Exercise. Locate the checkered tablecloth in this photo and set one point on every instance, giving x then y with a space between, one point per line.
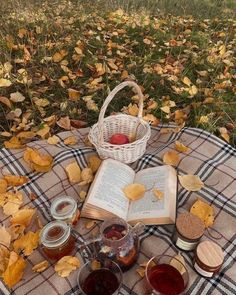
210 158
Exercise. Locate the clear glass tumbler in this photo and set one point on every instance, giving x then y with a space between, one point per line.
166 275
100 277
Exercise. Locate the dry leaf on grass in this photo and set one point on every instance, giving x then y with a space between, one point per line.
14 180
66 265
71 140
27 243
152 120
73 172
41 266
5 82
13 143
17 97
204 211
181 147
171 158
43 132
191 182
94 163
64 123
74 95
14 272
3 186
86 176
134 191
179 264
5 237
23 216
158 194
53 140
6 101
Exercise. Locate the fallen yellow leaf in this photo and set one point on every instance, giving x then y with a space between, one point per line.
12 202
6 101
158 194
191 182
66 265
3 186
94 163
27 243
13 143
171 158
53 140
5 82
73 172
86 176
23 216
204 211
74 95
44 131
181 147
154 121
41 266
186 81
5 237
82 195
71 140
17 97
14 180
134 191
16 231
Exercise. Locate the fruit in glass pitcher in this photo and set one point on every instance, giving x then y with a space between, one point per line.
119 138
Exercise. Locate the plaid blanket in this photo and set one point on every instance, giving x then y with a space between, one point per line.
210 158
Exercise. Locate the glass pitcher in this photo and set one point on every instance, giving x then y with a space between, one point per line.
118 241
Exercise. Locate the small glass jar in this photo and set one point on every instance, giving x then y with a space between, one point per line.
56 239
65 208
208 258
188 231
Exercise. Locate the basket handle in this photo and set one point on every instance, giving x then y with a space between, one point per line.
111 96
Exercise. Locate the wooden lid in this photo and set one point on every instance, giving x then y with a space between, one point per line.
190 226
210 254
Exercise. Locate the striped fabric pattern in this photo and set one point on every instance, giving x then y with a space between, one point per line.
209 157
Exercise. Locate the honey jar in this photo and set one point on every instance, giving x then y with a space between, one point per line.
208 258
56 239
65 208
188 231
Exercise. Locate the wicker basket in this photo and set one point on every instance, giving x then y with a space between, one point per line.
131 126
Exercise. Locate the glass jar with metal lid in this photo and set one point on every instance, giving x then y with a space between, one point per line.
56 239
65 208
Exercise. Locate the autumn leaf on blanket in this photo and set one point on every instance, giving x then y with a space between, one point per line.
4 258
14 180
171 158
82 195
13 143
94 163
5 237
66 265
3 186
134 191
178 262
16 231
181 147
71 140
41 266
53 140
12 202
23 216
152 120
73 172
204 211
191 182
86 176
38 161
14 272
141 271
27 243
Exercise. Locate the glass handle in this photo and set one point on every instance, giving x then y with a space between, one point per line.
138 228
90 241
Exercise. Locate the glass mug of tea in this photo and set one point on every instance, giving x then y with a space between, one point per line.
166 275
118 241
100 277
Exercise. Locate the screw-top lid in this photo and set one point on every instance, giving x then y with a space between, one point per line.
210 254
190 226
54 234
63 208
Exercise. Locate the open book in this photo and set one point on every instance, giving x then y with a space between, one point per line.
106 198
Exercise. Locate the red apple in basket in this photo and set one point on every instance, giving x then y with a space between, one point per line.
119 138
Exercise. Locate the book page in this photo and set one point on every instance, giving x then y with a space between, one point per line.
149 206
106 191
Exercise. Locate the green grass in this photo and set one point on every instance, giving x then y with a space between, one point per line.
186 37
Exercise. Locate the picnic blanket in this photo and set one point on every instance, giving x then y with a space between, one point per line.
209 157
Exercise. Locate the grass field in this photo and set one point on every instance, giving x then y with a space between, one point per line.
60 59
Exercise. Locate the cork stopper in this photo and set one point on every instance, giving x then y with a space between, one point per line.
190 226
210 254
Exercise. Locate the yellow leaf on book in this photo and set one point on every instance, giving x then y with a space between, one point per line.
191 182
158 194
204 211
134 191
171 158
73 172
